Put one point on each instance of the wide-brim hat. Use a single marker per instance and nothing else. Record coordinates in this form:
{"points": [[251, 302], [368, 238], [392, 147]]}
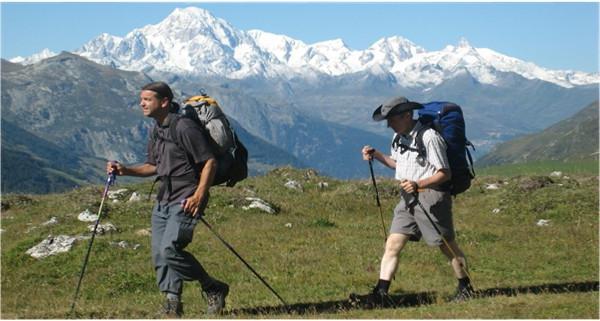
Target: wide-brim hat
{"points": [[393, 107]]}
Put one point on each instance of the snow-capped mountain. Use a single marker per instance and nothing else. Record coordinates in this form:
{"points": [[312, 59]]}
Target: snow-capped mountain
{"points": [[191, 41], [44, 54]]}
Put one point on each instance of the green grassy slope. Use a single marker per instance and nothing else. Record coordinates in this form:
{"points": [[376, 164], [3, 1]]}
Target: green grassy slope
{"points": [[573, 139], [323, 244], [35, 165]]}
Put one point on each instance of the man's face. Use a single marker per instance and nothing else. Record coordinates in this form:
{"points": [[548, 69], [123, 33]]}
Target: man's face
{"points": [[150, 104], [401, 124]]}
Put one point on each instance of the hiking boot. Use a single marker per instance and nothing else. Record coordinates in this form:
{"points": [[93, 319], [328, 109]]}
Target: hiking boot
{"points": [[377, 298], [215, 297], [463, 294], [383, 298], [172, 309]]}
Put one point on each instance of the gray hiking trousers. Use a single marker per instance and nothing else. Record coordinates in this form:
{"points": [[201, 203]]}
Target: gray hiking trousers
{"points": [[172, 231]]}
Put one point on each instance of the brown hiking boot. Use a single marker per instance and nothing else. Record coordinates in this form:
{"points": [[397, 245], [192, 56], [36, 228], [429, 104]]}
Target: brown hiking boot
{"points": [[172, 309], [376, 298], [463, 294], [215, 297]]}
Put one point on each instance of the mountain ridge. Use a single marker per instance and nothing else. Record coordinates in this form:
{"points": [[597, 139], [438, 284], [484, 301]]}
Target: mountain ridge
{"points": [[192, 41], [79, 113], [92, 110], [575, 138], [35, 165]]}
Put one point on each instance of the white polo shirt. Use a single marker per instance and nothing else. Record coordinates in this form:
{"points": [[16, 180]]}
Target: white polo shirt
{"points": [[407, 166]]}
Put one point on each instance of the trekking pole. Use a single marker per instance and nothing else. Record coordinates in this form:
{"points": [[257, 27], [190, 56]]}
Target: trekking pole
{"points": [[243, 261], [463, 267], [377, 198], [109, 181]]}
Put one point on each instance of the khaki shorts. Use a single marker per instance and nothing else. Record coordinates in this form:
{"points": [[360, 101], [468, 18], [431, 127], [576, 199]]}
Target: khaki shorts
{"points": [[413, 222]]}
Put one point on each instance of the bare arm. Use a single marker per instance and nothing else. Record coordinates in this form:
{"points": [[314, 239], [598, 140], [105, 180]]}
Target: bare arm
{"points": [[207, 175], [369, 153], [436, 179], [143, 170]]}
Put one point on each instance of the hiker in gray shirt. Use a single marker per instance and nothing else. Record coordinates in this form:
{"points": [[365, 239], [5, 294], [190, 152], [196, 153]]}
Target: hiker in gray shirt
{"points": [[185, 167], [422, 178]]}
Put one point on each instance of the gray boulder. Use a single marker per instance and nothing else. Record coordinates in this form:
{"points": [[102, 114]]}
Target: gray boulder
{"points": [[52, 245], [260, 204], [87, 216], [103, 228]]}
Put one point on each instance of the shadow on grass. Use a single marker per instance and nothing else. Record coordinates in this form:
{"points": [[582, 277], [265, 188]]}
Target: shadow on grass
{"points": [[411, 299]]}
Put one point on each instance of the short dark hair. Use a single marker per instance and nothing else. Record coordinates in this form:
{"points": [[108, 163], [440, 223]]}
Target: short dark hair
{"points": [[161, 89]]}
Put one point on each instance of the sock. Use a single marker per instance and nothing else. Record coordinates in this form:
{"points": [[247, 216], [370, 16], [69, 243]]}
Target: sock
{"points": [[173, 297], [464, 283], [383, 285]]}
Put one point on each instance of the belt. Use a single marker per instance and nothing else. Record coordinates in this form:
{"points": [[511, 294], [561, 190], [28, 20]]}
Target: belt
{"points": [[420, 190]]}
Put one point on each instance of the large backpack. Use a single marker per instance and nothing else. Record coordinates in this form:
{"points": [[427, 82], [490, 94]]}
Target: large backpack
{"points": [[447, 119], [230, 153], [206, 111]]}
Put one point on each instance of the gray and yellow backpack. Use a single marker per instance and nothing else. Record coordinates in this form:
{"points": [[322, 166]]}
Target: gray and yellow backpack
{"points": [[231, 154]]}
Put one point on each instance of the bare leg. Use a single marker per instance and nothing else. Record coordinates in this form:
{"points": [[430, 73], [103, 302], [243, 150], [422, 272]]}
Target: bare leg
{"points": [[459, 263], [389, 262]]}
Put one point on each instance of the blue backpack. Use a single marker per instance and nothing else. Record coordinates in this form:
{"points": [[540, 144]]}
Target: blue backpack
{"points": [[447, 119]]}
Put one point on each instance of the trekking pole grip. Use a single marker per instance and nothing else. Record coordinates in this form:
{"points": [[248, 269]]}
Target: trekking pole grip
{"points": [[112, 176]]}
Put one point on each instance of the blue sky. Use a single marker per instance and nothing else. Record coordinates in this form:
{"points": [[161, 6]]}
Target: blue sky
{"points": [[552, 35]]}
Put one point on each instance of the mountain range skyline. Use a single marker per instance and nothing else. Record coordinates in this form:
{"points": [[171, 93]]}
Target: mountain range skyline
{"points": [[191, 41], [526, 30]]}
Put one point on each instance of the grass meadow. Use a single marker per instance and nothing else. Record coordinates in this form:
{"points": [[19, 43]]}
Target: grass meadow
{"points": [[324, 243]]}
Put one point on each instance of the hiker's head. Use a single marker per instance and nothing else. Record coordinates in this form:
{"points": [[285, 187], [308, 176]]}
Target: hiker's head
{"points": [[156, 99], [398, 112]]}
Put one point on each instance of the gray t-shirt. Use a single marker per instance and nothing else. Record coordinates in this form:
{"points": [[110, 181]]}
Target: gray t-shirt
{"points": [[174, 161]]}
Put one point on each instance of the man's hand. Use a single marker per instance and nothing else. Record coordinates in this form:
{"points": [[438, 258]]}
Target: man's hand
{"points": [[367, 153], [409, 186], [191, 205], [115, 167]]}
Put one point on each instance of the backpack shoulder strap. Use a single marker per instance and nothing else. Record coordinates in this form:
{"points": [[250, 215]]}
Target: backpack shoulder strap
{"points": [[176, 139], [403, 147], [154, 135], [419, 140], [173, 131], [396, 142]]}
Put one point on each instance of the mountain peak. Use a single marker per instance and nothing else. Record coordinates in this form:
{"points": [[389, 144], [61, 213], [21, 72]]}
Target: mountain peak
{"points": [[44, 54], [463, 46], [396, 44], [182, 26], [464, 43], [397, 40], [188, 13]]}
